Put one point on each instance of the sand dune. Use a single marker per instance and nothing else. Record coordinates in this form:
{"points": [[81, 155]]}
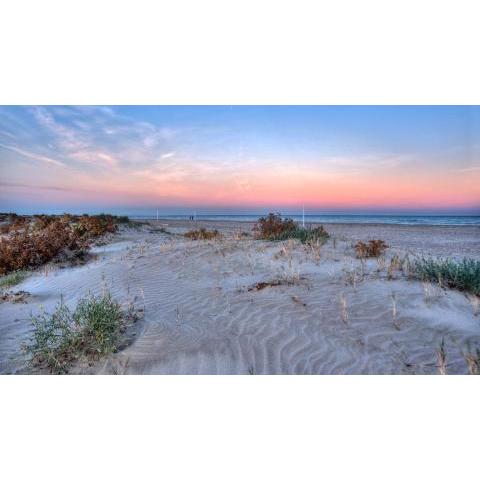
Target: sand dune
{"points": [[203, 316]]}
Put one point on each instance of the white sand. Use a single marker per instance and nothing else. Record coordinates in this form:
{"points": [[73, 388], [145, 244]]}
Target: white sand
{"points": [[200, 316]]}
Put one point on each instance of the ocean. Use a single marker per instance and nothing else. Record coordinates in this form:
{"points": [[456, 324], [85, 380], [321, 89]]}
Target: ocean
{"points": [[345, 218]]}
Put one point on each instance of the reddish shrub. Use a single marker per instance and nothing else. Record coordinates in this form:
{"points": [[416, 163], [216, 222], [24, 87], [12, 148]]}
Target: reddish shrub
{"points": [[374, 248], [26, 247], [15, 223], [273, 227], [91, 227]]}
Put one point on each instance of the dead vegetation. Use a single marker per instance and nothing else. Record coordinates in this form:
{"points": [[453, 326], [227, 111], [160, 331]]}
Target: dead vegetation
{"points": [[473, 362], [285, 281], [373, 248], [15, 297], [354, 276], [261, 285], [203, 234], [442, 358], [296, 300], [241, 235], [343, 304], [33, 241]]}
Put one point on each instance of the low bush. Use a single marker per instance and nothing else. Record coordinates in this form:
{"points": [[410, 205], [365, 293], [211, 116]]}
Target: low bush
{"points": [[374, 248], [65, 336], [95, 226], [27, 249], [202, 234], [310, 235], [462, 275], [37, 240], [15, 223], [274, 227]]}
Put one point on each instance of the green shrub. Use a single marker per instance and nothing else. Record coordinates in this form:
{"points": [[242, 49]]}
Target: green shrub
{"points": [[310, 235], [93, 329], [462, 275]]}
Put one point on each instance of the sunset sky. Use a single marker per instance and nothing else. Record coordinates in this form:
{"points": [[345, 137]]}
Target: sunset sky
{"points": [[240, 159]]}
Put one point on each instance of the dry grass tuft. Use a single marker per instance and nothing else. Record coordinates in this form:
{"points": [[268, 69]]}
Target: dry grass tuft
{"points": [[473, 362], [203, 234], [20, 296], [374, 248], [241, 235], [394, 311], [442, 358], [286, 280], [475, 301], [353, 276], [343, 303]]}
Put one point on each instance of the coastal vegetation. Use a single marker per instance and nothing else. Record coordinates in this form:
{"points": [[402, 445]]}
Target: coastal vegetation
{"points": [[27, 242], [274, 227], [373, 248], [203, 234], [93, 329], [463, 275], [13, 278]]}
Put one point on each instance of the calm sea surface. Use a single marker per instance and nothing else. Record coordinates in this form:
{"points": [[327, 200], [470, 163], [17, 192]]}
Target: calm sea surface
{"points": [[388, 219]]}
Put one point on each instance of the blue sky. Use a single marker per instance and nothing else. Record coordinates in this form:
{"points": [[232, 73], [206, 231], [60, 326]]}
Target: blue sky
{"points": [[240, 158]]}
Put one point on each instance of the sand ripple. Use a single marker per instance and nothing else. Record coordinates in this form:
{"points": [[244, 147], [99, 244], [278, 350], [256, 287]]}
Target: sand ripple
{"points": [[200, 317]]}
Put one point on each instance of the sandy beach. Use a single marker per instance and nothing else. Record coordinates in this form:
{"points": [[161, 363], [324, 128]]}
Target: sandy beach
{"points": [[237, 305]]}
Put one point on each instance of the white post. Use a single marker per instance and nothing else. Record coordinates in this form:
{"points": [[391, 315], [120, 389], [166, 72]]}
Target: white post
{"points": [[157, 214], [303, 216]]}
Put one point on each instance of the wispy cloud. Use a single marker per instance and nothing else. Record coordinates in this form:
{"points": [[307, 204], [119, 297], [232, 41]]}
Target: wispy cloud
{"points": [[95, 157], [240, 155], [67, 138], [30, 186], [33, 156]]}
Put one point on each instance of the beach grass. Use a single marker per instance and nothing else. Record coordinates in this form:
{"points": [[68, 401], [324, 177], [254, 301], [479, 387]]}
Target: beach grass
{"points": [[463, 275], [93, 329], [13, 278]]}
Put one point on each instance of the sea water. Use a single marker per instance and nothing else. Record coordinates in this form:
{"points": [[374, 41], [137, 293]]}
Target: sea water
{"points": [[342, 218]]}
